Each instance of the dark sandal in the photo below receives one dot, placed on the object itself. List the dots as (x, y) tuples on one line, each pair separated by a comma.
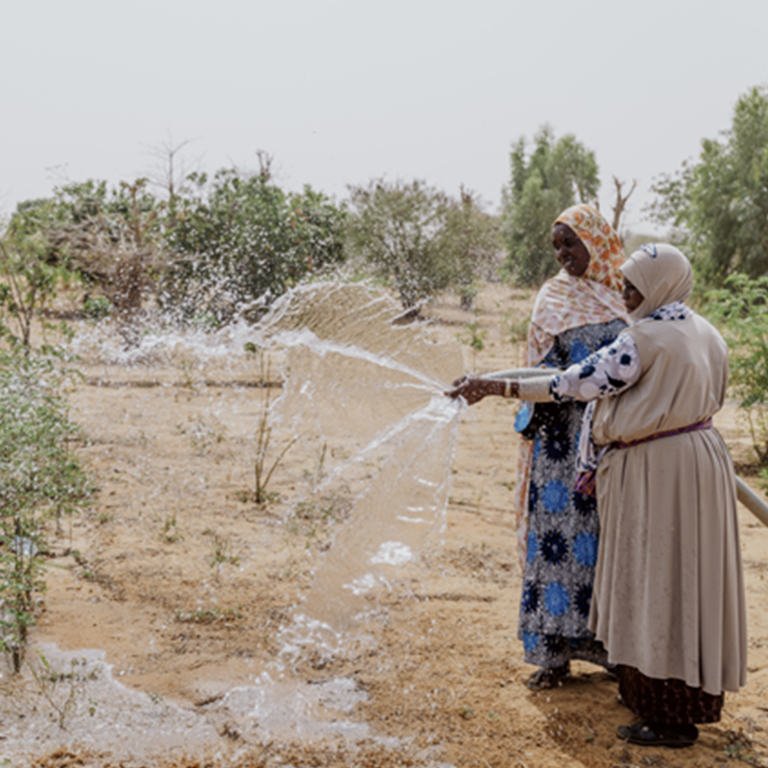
[(548, 677), (656, 735)]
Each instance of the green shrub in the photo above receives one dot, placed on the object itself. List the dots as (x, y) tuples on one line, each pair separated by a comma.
[(239, 238), (741, 311), (40, 478)]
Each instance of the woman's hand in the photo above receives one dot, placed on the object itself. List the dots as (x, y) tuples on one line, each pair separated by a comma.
[(474, 388)]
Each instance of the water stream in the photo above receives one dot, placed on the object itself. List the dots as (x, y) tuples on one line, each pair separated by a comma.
[(369, 392), (374, 389)]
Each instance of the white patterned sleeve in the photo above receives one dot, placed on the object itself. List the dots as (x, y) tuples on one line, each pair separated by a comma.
[(607, 372)]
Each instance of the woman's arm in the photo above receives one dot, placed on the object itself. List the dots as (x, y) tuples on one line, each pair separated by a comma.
[(605, 373), (474, 388)]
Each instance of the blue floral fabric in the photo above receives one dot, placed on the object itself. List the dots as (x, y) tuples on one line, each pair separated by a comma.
[(563, 528)]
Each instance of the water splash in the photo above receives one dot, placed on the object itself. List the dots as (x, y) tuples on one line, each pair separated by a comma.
[(365, 389), (371, 390)]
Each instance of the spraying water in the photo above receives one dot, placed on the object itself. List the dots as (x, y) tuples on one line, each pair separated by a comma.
[(372, 390)]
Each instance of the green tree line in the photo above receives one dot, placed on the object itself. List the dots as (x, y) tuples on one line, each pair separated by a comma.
[(231, 242), (215, 245)]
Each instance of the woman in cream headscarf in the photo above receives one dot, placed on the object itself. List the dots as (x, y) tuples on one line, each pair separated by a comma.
[(668, 596), (576, 312)]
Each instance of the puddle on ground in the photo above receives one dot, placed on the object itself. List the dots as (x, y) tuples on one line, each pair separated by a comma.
[(83, 704)]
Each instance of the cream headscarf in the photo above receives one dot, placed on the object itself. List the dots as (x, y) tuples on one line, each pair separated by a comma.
[(661, 273)]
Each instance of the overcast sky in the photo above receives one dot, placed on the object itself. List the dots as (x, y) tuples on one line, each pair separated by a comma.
[(341, 91)]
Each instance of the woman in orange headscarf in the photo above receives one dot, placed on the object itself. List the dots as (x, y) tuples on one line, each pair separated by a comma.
[(576, 312)]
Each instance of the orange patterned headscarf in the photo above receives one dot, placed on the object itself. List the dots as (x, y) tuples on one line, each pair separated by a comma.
[(603, 244), (569, 302)]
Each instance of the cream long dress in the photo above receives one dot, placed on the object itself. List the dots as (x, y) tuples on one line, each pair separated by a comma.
[(668, 593)]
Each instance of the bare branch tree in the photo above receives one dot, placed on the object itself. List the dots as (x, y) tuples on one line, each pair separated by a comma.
[(170, 168), (621, 201), (265, 165)]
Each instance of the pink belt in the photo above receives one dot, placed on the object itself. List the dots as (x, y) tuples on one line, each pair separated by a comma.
[(585, 481)]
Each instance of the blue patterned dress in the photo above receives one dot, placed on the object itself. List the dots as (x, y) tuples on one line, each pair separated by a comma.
[(563, 527)]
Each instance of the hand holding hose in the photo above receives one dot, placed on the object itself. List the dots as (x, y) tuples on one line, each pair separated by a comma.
[(474, 388)]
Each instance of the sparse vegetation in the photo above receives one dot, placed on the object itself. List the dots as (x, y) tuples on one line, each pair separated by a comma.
[(63, 691), (740, 309), (261, 474), (170, 532), (221, 553), (40, 478), (209, 615), (204, 433)]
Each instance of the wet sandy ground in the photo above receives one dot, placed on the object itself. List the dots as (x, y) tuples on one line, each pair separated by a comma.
[(181, 584)]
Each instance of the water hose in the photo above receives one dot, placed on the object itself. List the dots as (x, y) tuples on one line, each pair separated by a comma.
[(754, 503), (751, 501)]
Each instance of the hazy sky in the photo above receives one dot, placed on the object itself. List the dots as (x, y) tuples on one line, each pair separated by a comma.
[(340, 91)]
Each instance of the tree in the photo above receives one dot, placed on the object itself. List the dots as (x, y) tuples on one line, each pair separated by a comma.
[(471, 239), (114, 240), (28, 269), (397, 229), (421, 240), (556, 174), (621, 202), (719, 204), (240, 237)]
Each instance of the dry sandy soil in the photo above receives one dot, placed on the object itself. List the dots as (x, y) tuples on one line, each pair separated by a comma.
[(180, 584)]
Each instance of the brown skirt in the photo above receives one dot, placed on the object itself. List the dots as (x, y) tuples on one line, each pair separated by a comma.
[(668, 702)]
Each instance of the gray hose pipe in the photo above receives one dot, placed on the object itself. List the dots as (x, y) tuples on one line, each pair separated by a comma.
[(751, 501), (522, 373), (744, 493)]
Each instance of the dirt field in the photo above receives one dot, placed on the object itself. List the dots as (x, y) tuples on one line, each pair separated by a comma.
[(180, 585)]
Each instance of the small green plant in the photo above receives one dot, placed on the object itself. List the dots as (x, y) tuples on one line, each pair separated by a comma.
[(261, 474), (221, 553), (209, 615), (170, 532), (474, 337), (311, 511), (187, 372), (97, 308), (63, 690), (736, 752)]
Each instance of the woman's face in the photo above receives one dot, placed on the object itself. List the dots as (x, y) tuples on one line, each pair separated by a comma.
[(631, 296), (570, 252)]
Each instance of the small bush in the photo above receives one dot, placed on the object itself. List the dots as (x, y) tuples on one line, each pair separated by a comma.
[(741, 311), (40, 478)]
